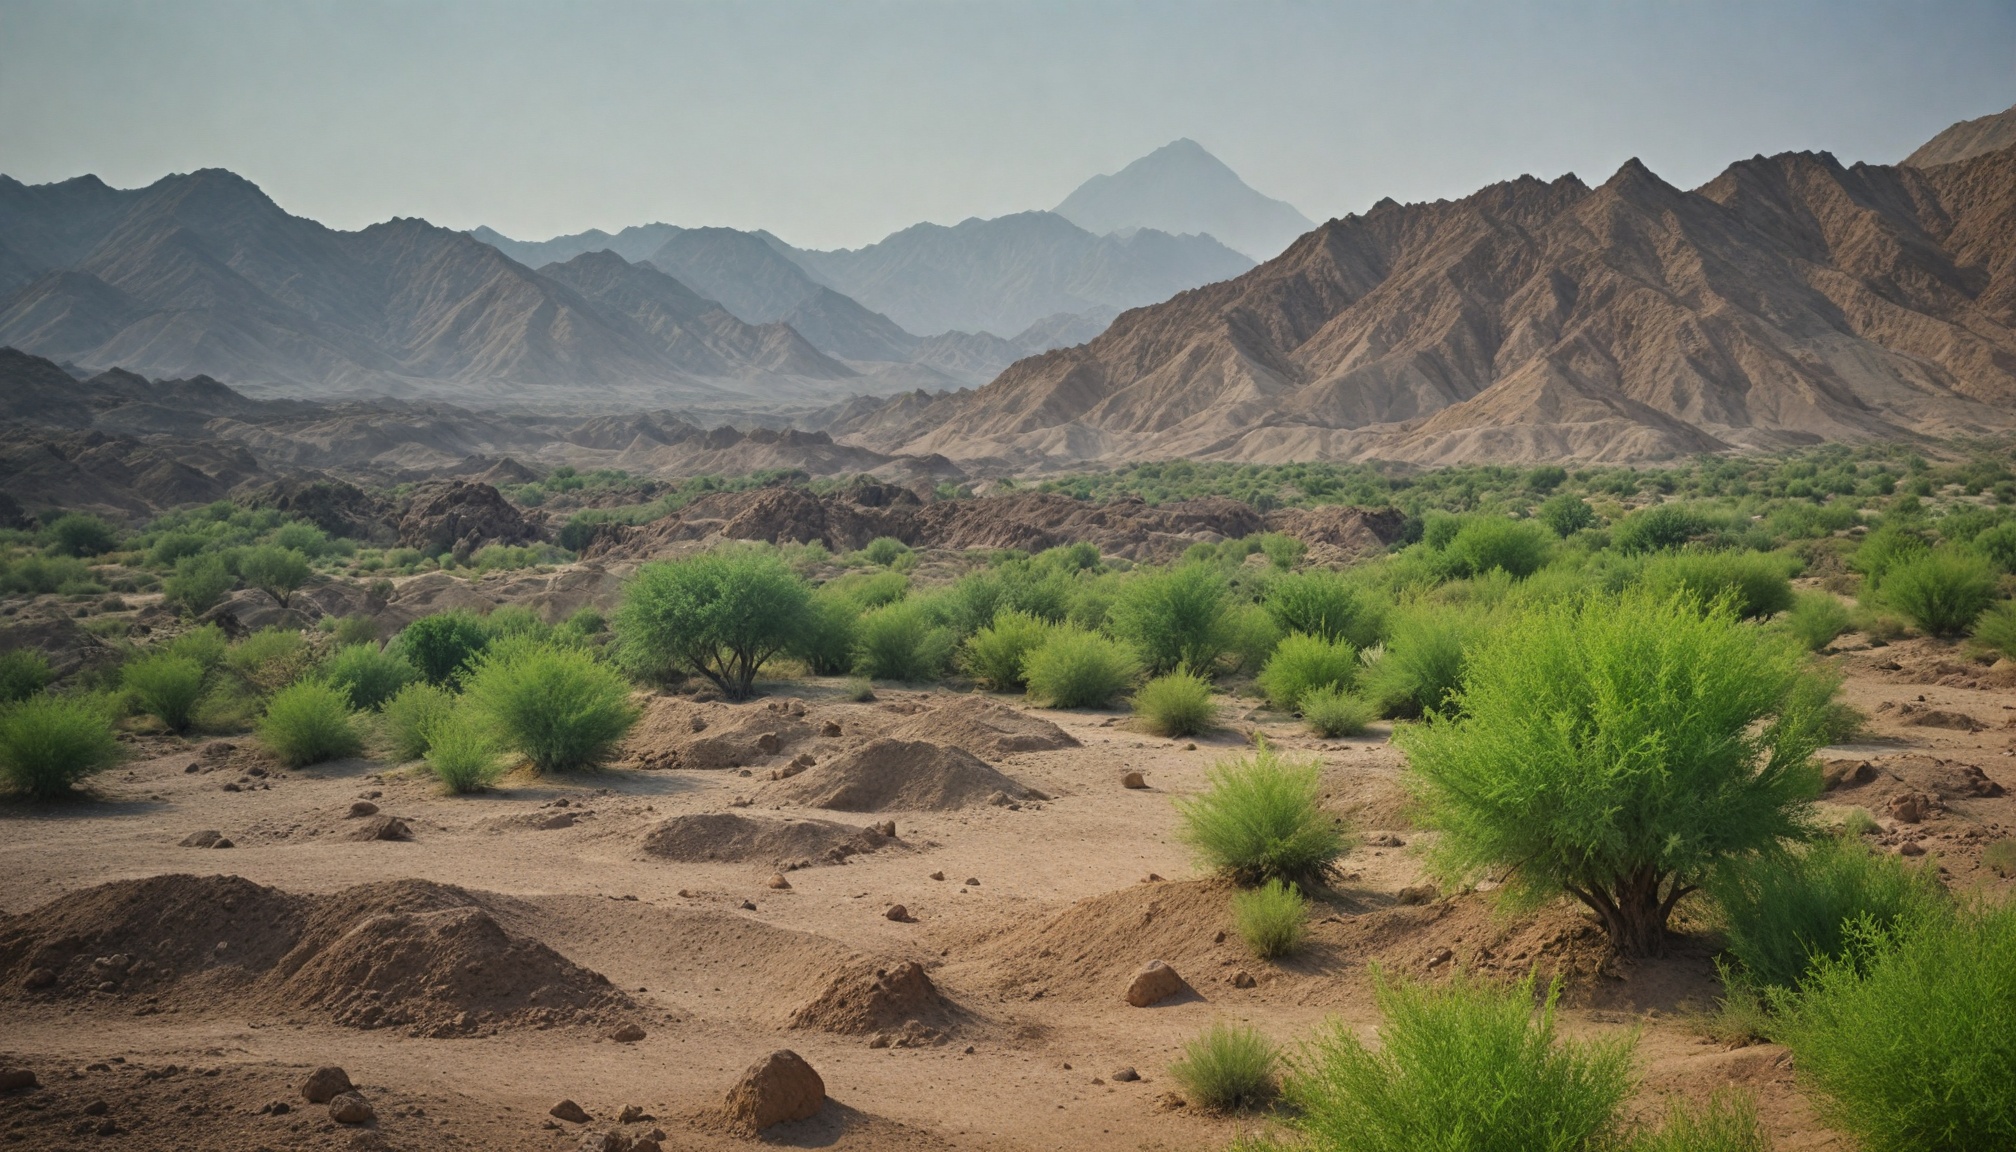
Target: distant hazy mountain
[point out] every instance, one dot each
(1966, 140)
(1002, 275)
(634, 243)
(1181, 188)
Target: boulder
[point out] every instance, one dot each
(325, 1084)
(627, 1034)
(1133, 780)
(569, 1111)
(777, 1089)
(1154, 984)
(351, 1108)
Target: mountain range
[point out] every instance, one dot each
(1966, 140)
(1181, 188)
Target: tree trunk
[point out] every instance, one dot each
(1634, 909)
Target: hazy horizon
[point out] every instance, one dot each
(833, 125)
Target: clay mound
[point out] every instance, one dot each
(899, 1000)
(1090, 949)
(899, 775)
(984, 727)
(676, 733)
(729, 837)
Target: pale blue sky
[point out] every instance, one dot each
(834, 123)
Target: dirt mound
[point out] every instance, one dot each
(729, 837)
(983, 727)
(899, 1000)
(899, 775)
(404, 953)
(679, 733)
(1092, 948)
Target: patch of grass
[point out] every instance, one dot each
(1463, 1058)
(461, 754)
(1331, 712)
(1260, 821)
(1942, 592)
(50, 743)
(2000, 858)
(23, 673)
(165, 687)
(994, 654)
(369, 676)
(1816, 619)
(1228, 1068)
(902, 641)
(1178, 704)
(1076, 668)
(1741, 1018)
(410, 716)
(1271, 918)
(561, 707)
(1726, 1123)
(1909, 1040)
(308, 723)
(1782, 913)
(860, 690)
(1302, 663)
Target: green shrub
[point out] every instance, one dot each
(1942, 591)
(50, 743)
(1419, 667)
(356, 630)
(1755, 583)
(1270, 918)
(1332, 712)
(1496, 543)
(273, 570)
(1727, 1123)
(1781, 913)
(1302, 664)
(1261, 821)
(1565, 514)
(885, 550)
(1618, 750)
(1283, 551)
(1228, 1068)
(23, 673)
(1998, 545)
(308, 723)
(460, 753)
(367, 675)
(826, 643)
(1460, 1066)
(300, 536)
(1910, 1039)
(515, 621)
(1075, 668)
(76, 534)
(561, 707)
(1175, 618)
(206, 645)
(410, 717)
(166, 687)
(1178, 704)
(1659, 527)
(268, 660)
(442, 646)
(1882, 550)
(1327, 605)
(720, 615)
(901, 641)
(199, 583)
(1816, 619)
(859, 690)
(869, 589)
(994, 654)
(1996, 628)
(1250, 638)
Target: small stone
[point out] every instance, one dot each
(361, 808)
(278, 1108)
(633, 1114)
(106, 1127)
(1440, 958)
(350, 1108)
(748, 906)
(697, 722)
(15, 1079)
(1385, 840)
(1418, 894)
(224, 842)
(628, 1034)
(1911, 848)
(569, 1111)
(898, 913)
(1244, 979)
(1153, 984)
(554, 821)
(1126, 1076)
(830, 728)
(1190, 747)
(1218, 937)
(1133, 780)
(886, 828)
(325, 1084)
(38, 978)
(777, 1089)
(203, 839)
(1151, 878)
(232, 788)
(97, 1108)
(192, 767)
(972, 882)
(937, 875)
(1910, 808)
(778, 882)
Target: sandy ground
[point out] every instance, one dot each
(1074, 892)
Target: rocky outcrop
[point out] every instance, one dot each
(459, 516)
(335, 506)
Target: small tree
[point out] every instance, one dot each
(561, 707)
(1566, 514)
(77, 534)
(274, 570)
(1175, 618)
(721, 615)
(444, 644)
(1617, 750)
(198, 583)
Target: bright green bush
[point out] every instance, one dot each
(442, 646)
(1909, 1040)
(1419, 667)
(268, 660)
(1460, 1066)
(308, 723)
(994, 654)
(1816, 619)
(719, 615)
(885, 550)
(1301, 664)
(1659, 527)
(1487, 543)
(1261, 821)
(561, 707)
(1998, 545)
(1618, 750)
(1178, 704)
(1996, 628)
(1727, 1123)
(901, 641)
(1755, 583)
(411, 715)
(199, 583)
(1565, 514)
(1325, 604)
(367, 675)
(206, 646)
(1251, 635)
(50, 743)
(461, 754)
(1174, 617)
(1228, 1068)
(1332, 712)
(869, 589)
(166, 687)
(23, 673)
(1075, 668)
(274, 570)
(1271, 918)
(826, 642)
(1943, 591)
(1781, 913)
(1884, 549)
(78, 534)
(356, 630)
(37, 575)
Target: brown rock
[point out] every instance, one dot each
(15, 1079)
(1126, 1075)
(382, 828)
(1133, 780)
(777, 1089)
(39, 978)
(224, 842)
(1842, 773)
(1154, 984)
(569, 1111)
(830, 728)
(632, 1114)
(937, 875)
(203, 839)
(1244, 979)
(899, 913)
(325, 1084)
(1911, 807)
(628, 1034)
(459, 516)
(350, 1108)
(361, 808)
(778, 882)
(1911, 848)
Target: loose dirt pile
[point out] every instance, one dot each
(679, 733)
(729, 837)
(402, 954)
(1090, 950)
(899, 1002)
(983, 727)
(900, 775)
